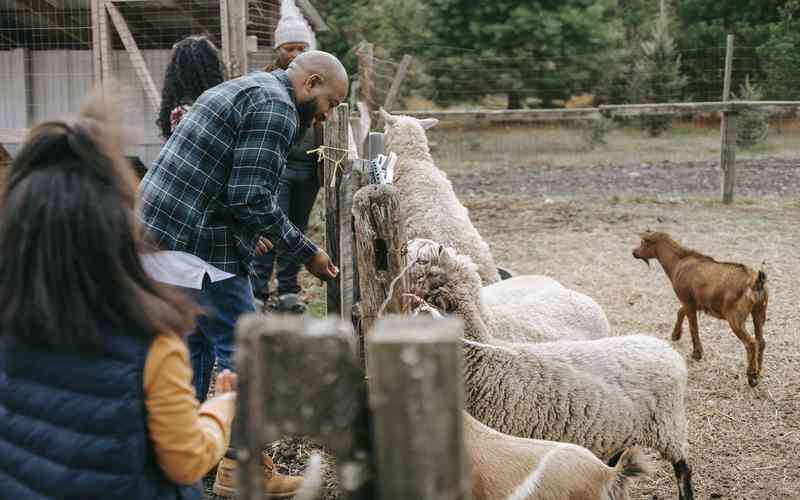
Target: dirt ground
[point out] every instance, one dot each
(579, 225)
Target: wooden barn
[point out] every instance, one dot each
(53, 51)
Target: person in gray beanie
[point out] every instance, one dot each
(299, 185)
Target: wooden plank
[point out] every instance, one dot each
(394, 90)
(237, 37)
(225, 36)
(300, 377)
(136, 56)
(347, 259)
(379, 239)
(336, 138)
(366, 84)
(13, 135)
(105, 45)
(97, 64)
(727, 155)
(417, 400)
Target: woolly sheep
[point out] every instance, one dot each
(430, 206)
(605, 394)
(534, 308)
(513, 468)
(540, 309)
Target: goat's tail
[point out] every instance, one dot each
(761, 280)
(628, 464)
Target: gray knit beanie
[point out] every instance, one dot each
(292, 29)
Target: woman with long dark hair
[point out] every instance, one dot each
(194, 67)
(95, 382)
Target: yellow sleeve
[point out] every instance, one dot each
(189, 439)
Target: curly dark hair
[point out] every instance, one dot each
(194, 67)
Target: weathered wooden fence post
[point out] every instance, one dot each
(380, 239)
(417, 399)
(233, 18)
(366, 85)
(727, 158)
(300, 376)
(394, 90)
(336, 162)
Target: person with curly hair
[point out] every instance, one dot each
(299, 184)
(194, 67)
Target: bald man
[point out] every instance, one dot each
(208, 203)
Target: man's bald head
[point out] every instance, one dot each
(327, 67)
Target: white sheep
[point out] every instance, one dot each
(534, 308)
(514, 468)
(429, 205)
(605, 394)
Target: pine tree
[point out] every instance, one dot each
(753, 125)
(657, 75)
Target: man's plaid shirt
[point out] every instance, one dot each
(212, 191)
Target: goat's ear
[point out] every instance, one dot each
(428, 123)
(387, 118)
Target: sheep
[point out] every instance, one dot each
(539, 309)
(724, 290)
(605, 394)
(430, 206)
(513, 468)
(534, 308)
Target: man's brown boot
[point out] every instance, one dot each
(277, 485)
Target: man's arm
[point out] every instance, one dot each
(264, 138)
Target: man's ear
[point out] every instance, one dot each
(313, 81)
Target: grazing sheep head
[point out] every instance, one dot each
(440, 276)
(647, 248)
(404, 132)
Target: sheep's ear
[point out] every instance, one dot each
(428, 122)
(387, 118)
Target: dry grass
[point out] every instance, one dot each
(459, 150)
(744, 442)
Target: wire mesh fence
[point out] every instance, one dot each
(47, 57)
(497, 83)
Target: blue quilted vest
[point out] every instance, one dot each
(74, 427)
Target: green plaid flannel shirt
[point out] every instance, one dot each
(212, 191)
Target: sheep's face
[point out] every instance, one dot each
(438, 274)
(402, 132)
(647, 247)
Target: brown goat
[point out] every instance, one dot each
(724, 290)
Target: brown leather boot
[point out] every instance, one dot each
(227, 477)
(277, 485)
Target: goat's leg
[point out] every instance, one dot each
(678, 330)
(737, 325)
(759, 318)
(697, 346)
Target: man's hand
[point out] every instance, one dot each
(263, 246)
(321, 266)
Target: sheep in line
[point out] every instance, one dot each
(431, 208)
(605, 395)
(513, 468)
(535, 308)
(724, 290)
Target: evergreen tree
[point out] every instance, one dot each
(657, 75)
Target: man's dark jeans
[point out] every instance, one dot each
(296, 195)
(213, 338)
